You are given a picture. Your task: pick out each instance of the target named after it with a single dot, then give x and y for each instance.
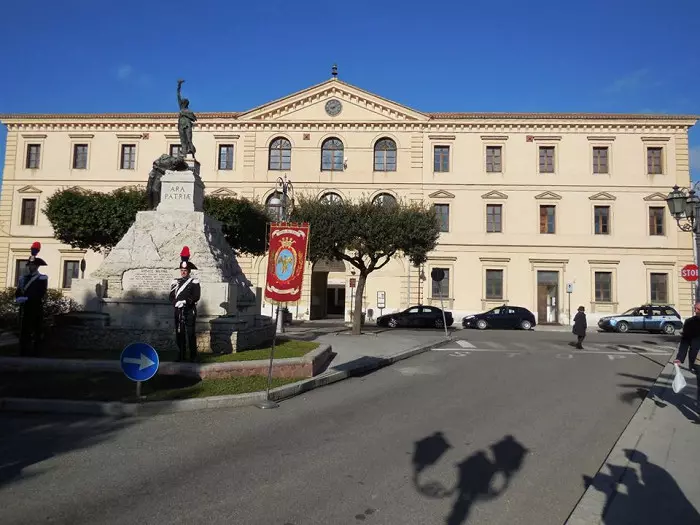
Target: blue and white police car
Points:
(645, 318)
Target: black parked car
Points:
(416, 317)
(501, 317)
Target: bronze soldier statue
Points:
(184, 294)
(185, 123)
(29, 295)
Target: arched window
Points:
(332, 155)
(385, 155)
(331, 198)
(280, 157)
(384, 199)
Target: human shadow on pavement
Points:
(481, 476)
(685, 401)
(648, 498)
(27, 440)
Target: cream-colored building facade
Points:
(532, 205)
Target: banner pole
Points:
(268, 403)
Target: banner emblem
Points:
(286, 260)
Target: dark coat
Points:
(580, 324)
(191, 293)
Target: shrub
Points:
(55, 303)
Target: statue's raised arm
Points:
(179, 98)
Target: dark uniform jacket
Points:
(33, 287)
(185, 289)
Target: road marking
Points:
(459, 354)
(564, 356)
(513, 354)
(464, 344)
(612, 357)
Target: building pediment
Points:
(346, 103)
(548, 195)
(442, 194)
(656, 197)
(29, 189)
(223, 192)
(494, 194)
(602, 196)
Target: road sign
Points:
(569, 287)
(381, 300)
(438, 274)
(139, 361)
(690, 272)
(352, 282)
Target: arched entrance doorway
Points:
(327, 290)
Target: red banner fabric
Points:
(285, 262)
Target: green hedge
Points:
(55, 303)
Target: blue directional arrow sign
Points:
(139, 361)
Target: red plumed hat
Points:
(185, 259)
(34, 250)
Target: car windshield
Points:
(631, 311)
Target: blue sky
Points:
(468, 55)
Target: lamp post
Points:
(281, 203)
(684, 205)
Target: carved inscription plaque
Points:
(148, 282)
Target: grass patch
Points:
(110, 386)
(284, 349)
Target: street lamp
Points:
(685, 208)
(281, 204)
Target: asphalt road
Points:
(498, 429)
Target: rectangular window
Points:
(493, 159)
(175, 150)
(658, 285)
(494, 284)
(443, 213)
(656, 220)
(546, 159)
(494, 218)
(600, 159)
(28, 216)
(71, 270)
(20, 270)
(442, 288)
(128, 157)
(441, 158)
(547, 218)
(601, 220)
(654, 160)
(80, 156)
(603, 287)
(33, 156)
(226, 157)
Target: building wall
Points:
(628, 252)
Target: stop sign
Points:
(690, 272)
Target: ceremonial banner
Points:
(285, 263)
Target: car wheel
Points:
(623, 327)
(439, 323)
(525, 324)
(393, 323)
(669, 329)
(481, 324)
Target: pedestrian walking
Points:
(184, 294)
(29, 295)
(580, 326)
(690, 341)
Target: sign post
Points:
(438, 274)
(139, 362)
(569, 291)
(381, 301)
(288, 247)
(690, 273)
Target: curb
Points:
(589, 509)
(118, 409)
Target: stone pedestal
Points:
(133, 282)
(181, 191)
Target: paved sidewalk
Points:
(652, 475)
